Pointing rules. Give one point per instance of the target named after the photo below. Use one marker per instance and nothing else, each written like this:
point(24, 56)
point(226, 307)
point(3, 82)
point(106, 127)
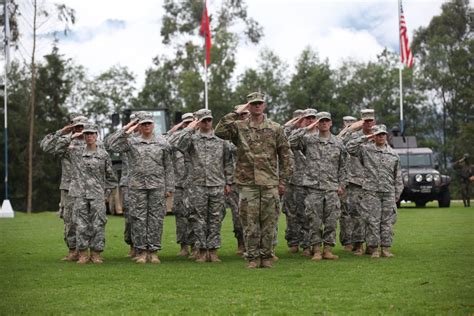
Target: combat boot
point(96, 257)
point(83, 257)
point(213, 256)
point(386, 252)
point(240, 249)
point(132, 253)
point(194, 253)
point(348, 247)
point(328, 255)
point(253, 264)
point(267, 263)
point(184, 252)
point(153, 257)
point(307, 252)
point(73, 255)
point(141, 257)
point(293, 249)
point(202, 256)
point(374, 252)
point(358, 250)
point(316, 253)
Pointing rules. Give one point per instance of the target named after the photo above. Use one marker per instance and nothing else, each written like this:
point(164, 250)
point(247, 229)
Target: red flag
point(405, 53)
point(205, 31)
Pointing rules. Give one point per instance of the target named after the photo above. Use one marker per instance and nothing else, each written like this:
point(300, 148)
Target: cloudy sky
point(127, 33)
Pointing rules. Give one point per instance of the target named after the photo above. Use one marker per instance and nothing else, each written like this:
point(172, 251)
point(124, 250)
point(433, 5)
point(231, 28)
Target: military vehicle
point(421, 179)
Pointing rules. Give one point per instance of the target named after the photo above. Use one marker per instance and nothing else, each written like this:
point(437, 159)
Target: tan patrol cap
point(145, 117)
point(79, 120)
point(323, 115)
point(202, 114)
point(349, 119)
point(255, 97)
point(90, 128)
point(379, 129)
point(187, 117)
point(367, 114)
point(298, 113)
point(310, 112)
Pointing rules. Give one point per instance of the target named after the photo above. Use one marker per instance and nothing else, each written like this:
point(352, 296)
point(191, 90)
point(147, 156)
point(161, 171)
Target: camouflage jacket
point(465, 170)
point(150, 163)
point(263, 153)
point(210, 156)
point(355, 169)
point(299, 160)
point(381, 171)
point(181, 164)
point(325, 167)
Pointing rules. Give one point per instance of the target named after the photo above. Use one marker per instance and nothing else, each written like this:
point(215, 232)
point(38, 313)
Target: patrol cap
point(79, 120)
point(367, 114)
point(298, 113)
point(310, 112)
point(379, 129)
point(145, 117)
point(255, 97)
point(203, 114)
point(90, 128)
point(243, 112)
point(349, 119)
point(187, 117)
point(323, 115)
point(466, 156)
point(73, 115)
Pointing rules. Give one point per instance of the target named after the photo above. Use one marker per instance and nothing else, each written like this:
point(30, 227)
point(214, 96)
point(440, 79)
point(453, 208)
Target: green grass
point(432, 273)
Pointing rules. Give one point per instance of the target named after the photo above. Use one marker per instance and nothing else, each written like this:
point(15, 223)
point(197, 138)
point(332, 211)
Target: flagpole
point(205, 80)
point(402, 127)
point(6, 211)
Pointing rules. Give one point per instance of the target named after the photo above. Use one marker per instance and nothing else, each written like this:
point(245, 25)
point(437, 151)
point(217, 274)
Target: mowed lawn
point(432, 273)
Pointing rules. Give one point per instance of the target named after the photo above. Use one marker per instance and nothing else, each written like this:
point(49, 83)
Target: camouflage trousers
point(181, 214)
point(66, 210)
point(466, 192)
point(296, 220)
point(323, 210)
point(379, 213)
point(345, 222)
point(127, 233)
point(258, 209)
point(232, 202)
point(208, 204)
point(90, 217)
point(355, 194)
point(147, 214)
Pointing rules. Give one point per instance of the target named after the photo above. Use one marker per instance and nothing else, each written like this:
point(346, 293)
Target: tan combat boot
point(184, 252)
point(316, 253)
point(213, 256)
point(386, 252)
point(132, 253)
point(202, 256)
point(253, 264)
point(293, 249)
point(358, 250)
point(153, 257)
point(307, 252)
point(374, 252)
point(328, 255)
point(96, 257)
point(194, 253)
point(267, 263)
point(73, 255)
point(240, 249)
point(348, 247)
point(141, 257)
point(83, 257)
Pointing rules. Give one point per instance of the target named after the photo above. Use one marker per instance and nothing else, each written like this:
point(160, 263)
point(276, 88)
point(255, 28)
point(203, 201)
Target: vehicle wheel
point(444, 199)
point(420, 203)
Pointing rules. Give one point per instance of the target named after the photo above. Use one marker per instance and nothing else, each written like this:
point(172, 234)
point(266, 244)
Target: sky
point(127, 33)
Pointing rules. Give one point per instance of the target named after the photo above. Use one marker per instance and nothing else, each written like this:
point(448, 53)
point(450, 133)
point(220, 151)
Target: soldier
point(211, 174)
point(297, 229)
point(466, 171)
point(92, 182)
point(181, 212)
point(354, 189)
point(150, 182)
point(325, 178)
point(382, 186)
point(261, 173)
point(49, 145)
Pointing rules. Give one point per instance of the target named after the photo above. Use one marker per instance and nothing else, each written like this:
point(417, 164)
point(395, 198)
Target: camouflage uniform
point(66, 204)
point(262, 164)
point(212, 169)
point(232, 201)
point(382, 186)
point(150, 176)
point(325, 174)
point(465, 170)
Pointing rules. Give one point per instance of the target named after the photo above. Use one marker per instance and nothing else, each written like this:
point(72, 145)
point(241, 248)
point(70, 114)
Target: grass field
point(432, 273)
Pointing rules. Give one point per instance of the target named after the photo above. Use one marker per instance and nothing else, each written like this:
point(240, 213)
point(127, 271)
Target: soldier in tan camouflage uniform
point(325, 179)
point(49, 145)
point(150, 180)
point(211, 177)
point(261, 173)
point(93, 180)
point(382, 185)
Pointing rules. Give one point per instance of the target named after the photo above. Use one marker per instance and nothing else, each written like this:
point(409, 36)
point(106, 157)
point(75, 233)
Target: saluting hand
point(66, 129)
point(130, 124)
point(76, 135)
point(241, 108)
point(312, 127)
point(356, 126)
point(132, 128)
point(194, 124)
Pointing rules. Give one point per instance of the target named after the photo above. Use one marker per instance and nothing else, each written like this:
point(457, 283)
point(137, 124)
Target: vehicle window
point(416, 160)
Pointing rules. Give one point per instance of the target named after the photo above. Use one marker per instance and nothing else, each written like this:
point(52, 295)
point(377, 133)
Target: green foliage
point(431, 273)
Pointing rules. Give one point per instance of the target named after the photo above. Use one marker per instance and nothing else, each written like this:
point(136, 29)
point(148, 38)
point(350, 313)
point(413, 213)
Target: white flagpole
point(402, 128)
point(6, 211)
point(205, 78)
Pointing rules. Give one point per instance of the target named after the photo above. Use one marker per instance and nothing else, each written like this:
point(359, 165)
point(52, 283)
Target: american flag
point(405, 53)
